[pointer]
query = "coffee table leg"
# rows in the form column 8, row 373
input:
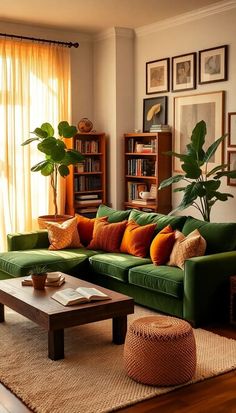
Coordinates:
column 56, row 344
column 1, row 313
column 119, row 329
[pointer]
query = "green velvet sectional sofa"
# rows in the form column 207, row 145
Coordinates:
column 198, row 294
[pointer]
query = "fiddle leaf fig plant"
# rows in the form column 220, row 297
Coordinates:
column 57, row 156
column 201, row 183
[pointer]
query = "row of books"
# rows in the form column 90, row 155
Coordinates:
column 160, row 128
column 87, row 199
column 87, row 183
column 135, row 146
column 90, row 146
column 88, row 165
column 141, row 167
column 134, row 188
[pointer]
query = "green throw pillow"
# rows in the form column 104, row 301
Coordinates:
column 145, row 218
column 112, row 214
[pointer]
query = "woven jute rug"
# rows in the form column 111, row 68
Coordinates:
column 91, row 378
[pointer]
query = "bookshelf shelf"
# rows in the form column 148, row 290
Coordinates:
column 86, row 185
column 146, row 166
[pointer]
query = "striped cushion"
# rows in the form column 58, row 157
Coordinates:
column 107, row 236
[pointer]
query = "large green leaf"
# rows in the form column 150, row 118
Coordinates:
column 170, row 181
column 69, row 131
column 63, row 170
column 191, row 168
column 211, row 185
column 191, row 152
column 198, row 138
column 222, row 196
column 47, row 169
column 229, row 174
column 29, row 141
column 48, row 145
column 58, row 152
column 63, row 124
column 72, row 157
column 217, row 168
column 40, row 133
column 190, row 194
column 212, row 148
column 38, row 166
column 47, row 127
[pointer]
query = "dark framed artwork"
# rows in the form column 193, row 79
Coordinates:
column 154, row 112
column 157, row 76
column 232, row 129
column 213, row 64
column 184, row 72
column 231, row 160
column 190, row 109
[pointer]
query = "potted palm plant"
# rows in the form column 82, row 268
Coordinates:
column 38, row 275
column 201, row 185
column 57, row 160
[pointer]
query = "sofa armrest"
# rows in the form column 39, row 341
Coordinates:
column 206, row 287
column 27, row 240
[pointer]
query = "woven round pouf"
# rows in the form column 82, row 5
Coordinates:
column 160, row 351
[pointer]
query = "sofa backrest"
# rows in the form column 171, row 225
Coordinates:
column 112, row 214
column 220, row 237
column 144, row 218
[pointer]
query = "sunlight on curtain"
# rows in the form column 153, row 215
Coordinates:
column 34, row 88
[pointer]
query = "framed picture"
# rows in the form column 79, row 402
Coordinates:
column 232, row 129
column 213, row 64
column 232, row 165
column 188, row 110
column 154, row 113
column 184, row 72
column 157, row 76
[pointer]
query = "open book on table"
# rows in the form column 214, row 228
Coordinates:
column 69, row 296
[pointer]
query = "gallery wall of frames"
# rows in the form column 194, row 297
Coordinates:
column 184, row 73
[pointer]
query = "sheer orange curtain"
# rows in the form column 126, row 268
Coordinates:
column 34, row 88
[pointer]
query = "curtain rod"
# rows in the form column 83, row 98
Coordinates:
column 66, row 44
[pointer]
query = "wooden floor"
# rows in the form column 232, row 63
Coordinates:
column 216, row 395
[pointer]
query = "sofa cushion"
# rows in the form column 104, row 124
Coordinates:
column 115, row 265
column 63, row 235
column 18, row 263
column 220, row 237
column 144, row 218
column 163, row 279
column 112, row 214
column 107, row 236
column 193, row 245
column 137, row 239
column 162, row 245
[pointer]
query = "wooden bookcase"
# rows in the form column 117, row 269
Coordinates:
column 86, row 184
column 145, row 167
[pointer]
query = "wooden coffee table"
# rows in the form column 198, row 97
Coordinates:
column 39, row 307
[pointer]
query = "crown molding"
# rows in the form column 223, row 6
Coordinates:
column 216, row 8
column 114, row 32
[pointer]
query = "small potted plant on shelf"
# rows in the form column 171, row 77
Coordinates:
column 38, row 275
column 57, row 160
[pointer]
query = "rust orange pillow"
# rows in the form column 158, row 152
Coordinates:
column 63, row 235
column 107, row 236
column 85, row 228
column 162, row 245
column 137, row 239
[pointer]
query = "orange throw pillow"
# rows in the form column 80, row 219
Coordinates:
column 194, row 245
column 85, row 228
column 107, row 236
column 162, row 245
column 137, row 239
column 63, row 235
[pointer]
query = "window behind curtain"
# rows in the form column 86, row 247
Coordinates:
column 34, row 88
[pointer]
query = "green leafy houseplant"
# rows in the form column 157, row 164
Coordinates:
column 202, row 189
column 38, row 274
column 57, row 156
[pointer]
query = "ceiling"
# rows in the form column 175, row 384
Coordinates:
column 92, row 16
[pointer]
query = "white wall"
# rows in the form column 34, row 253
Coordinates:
column 157, row 42
column 81, row 63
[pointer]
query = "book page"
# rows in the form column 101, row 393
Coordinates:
column 91, row 293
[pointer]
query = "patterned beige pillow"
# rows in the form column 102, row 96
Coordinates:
column 194, row 245
column 63, row 235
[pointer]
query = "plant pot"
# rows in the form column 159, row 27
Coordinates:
column 52, row 218
column 39, row 281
